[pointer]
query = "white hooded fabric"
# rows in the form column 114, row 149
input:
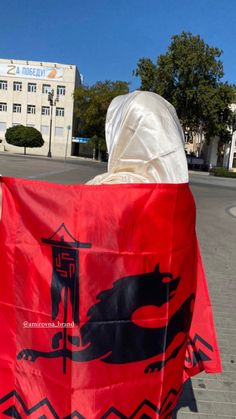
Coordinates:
column 145, row 141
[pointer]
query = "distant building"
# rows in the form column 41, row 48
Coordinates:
column 211, row 153
column 24, row 88
column 230, row 151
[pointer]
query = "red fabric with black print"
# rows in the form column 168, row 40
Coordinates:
column 104, row 306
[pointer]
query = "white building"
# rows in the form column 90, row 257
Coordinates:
column 24, row 88
column 230, row 152
column 210, row 151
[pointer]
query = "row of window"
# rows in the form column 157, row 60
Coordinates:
column 58, row 132
column 45, row 110
column 32, row 87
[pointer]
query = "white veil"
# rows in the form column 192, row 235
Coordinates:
column 145, row 141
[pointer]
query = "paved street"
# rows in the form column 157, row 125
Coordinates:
column 206, row 396
column 212, row 396
column 51, row 170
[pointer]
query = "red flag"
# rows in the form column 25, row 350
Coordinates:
column 103, row 301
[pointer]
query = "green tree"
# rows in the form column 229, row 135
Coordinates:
column 189, row 76
column 91, row 105
column 22, row 136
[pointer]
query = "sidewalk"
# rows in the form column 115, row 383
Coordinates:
column 209, row 396
column 203, row 178
column 71, row 159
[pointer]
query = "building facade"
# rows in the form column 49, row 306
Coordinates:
column 232, row 147
column 211, row 153
column 24, row 100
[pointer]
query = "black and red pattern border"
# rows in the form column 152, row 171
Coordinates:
column 146, row 409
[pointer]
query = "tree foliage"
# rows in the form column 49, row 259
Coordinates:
column 22, row 136
column 189, row 76
column 91, row 105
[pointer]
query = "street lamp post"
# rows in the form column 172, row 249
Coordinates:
column 52, row 103
column 67, row 140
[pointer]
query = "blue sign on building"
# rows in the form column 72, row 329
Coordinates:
column 82, row 140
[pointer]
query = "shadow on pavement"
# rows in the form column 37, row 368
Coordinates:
column 187, row 400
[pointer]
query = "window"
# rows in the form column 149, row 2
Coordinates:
column 60, row 112
column 3, row 107
column 59, row 131
column 30, row 125
column 16, row 108
column 45, row 110
column 3, row 85
column 2, row 126
column 61, row 90
column 46, row 88
column 31, row 109
column 17, row 86
column 32, row 87
column 44, row 129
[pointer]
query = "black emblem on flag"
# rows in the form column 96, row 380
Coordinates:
column 110, row 334
column 65, row 274
column 65, row 277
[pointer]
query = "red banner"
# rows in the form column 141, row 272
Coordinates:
column 104, row 306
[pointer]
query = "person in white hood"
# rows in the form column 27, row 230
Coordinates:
column 145, row 144
column 145, row 141
column 144, row 319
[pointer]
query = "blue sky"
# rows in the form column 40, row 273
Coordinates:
column 105, row 38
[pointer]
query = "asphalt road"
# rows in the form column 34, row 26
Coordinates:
column 50, row 170
column 205, row 396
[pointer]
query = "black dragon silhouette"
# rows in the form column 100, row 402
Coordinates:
column 111, row 336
